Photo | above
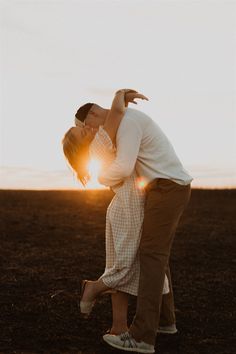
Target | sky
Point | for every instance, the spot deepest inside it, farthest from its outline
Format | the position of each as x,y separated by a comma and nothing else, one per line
58,55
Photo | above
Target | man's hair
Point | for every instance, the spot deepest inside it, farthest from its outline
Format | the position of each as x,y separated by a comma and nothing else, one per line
82,112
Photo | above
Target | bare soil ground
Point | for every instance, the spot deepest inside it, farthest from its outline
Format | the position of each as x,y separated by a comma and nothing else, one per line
52,240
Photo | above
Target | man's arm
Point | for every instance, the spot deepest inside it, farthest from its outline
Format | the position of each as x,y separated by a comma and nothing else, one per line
128,145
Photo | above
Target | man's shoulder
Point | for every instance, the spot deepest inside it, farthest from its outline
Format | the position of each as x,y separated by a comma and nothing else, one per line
140,121
136,117
135,113
131,124
131,119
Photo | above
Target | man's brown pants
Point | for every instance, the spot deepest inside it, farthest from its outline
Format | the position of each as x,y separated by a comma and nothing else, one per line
165,203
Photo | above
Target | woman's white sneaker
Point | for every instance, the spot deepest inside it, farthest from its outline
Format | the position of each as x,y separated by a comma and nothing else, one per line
125,341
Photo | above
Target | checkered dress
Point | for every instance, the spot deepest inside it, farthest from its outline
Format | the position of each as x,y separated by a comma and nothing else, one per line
124,221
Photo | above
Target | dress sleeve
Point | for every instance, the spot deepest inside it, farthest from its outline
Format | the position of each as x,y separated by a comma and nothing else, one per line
102,148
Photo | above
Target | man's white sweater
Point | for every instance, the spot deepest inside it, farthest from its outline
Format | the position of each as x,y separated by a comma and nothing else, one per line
142,145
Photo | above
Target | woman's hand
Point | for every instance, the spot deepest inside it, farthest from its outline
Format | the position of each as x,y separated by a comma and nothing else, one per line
118,108
130,95
126,90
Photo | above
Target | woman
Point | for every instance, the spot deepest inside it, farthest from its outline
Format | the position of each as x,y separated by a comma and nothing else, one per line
124,215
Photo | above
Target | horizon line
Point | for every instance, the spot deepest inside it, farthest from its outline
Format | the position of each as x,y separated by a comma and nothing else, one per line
99,189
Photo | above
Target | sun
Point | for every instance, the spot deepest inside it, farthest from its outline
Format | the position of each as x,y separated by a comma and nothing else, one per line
94,168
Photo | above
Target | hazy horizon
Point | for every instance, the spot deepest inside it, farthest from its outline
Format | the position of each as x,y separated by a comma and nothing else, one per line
25,178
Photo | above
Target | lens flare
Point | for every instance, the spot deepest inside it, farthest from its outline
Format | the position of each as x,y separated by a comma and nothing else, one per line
141,182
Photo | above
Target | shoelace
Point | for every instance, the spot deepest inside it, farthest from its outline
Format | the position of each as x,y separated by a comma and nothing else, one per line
126,337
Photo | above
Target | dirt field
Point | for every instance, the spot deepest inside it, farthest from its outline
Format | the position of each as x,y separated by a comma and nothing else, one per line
50,241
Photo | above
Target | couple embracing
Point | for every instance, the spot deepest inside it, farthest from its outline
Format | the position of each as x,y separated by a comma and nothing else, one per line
152,189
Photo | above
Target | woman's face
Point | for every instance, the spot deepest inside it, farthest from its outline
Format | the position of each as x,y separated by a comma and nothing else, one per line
84,135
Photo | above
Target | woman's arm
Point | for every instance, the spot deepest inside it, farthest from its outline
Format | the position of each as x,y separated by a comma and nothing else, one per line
118,108
115,114
102,147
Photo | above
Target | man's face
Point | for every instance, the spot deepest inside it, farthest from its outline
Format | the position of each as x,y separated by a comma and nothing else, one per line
96,116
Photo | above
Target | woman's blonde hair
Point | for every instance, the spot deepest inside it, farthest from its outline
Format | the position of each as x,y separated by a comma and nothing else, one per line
77,155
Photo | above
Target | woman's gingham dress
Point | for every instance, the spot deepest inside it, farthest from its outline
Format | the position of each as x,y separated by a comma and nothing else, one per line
124,221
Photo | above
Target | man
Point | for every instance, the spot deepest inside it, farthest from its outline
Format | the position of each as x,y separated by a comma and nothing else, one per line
142,145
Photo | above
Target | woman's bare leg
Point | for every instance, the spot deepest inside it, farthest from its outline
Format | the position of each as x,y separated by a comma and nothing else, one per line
119,304
93,288
119,312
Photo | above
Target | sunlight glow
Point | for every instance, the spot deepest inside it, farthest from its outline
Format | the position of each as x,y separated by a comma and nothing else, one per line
94,168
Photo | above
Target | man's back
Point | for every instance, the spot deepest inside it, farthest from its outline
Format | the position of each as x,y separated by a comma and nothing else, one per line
156,157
